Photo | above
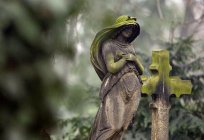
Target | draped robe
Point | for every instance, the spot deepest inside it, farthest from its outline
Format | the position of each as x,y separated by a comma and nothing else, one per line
119,93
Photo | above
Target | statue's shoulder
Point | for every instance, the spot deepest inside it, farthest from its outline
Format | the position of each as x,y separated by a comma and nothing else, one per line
108,46
108,42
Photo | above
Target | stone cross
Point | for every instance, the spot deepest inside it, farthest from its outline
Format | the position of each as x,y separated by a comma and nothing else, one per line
161,86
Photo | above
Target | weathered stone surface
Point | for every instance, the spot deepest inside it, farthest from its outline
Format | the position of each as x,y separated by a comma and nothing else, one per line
160,85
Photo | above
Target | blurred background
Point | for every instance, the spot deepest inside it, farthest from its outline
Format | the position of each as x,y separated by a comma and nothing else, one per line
48,88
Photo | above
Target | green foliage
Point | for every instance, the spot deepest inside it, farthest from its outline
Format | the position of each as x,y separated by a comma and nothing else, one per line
186,117
31,34
185,124
79,128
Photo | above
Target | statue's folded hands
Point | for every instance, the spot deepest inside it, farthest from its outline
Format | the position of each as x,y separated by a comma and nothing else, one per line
132,57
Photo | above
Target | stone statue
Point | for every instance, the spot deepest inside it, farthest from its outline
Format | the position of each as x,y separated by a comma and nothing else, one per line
114,60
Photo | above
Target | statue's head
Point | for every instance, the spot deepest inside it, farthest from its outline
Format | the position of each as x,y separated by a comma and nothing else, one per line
129,32
127,27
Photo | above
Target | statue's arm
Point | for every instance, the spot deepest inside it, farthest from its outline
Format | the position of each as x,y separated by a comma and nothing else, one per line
112,66
140,66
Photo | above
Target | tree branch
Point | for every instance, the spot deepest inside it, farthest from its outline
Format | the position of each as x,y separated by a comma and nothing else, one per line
159,10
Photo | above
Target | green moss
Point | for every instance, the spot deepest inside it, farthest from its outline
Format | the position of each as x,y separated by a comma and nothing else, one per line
160,69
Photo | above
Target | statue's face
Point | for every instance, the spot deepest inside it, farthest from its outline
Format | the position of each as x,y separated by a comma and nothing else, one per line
127,32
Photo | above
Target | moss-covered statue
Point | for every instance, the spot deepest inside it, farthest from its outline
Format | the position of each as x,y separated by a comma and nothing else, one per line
114,59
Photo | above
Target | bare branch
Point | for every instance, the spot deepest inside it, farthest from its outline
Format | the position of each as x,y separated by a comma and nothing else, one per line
159,10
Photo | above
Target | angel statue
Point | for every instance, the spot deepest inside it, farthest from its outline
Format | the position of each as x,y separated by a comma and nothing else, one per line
114,60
